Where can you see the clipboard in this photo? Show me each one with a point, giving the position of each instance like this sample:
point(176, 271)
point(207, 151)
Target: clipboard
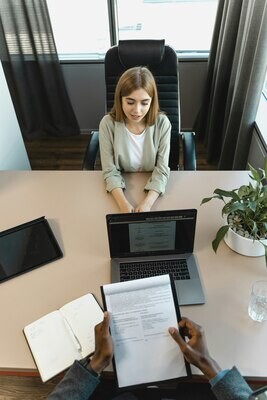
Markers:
point(137, 351)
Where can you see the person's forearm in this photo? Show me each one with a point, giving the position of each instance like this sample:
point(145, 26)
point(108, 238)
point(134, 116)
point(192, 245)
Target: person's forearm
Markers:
point(209, 367)
point(148, 202)
point(121, 200)
point(98, 364)
point(151, 197)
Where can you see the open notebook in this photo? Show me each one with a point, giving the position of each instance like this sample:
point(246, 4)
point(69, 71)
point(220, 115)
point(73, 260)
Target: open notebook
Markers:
point(59, 338)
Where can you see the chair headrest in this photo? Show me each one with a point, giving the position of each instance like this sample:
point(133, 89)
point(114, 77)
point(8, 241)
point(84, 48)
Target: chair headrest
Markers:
point(141, 52)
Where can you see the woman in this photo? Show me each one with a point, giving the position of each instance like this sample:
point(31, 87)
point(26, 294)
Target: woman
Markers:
point(135, 136)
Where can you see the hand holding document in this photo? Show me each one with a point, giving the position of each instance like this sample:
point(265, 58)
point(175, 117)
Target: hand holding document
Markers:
point(141, 311)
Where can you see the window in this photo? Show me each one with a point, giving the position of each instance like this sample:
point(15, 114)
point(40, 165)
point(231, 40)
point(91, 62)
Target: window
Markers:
point(264, 91)
point(186, 25)
point(80, 27)
point(261, 118)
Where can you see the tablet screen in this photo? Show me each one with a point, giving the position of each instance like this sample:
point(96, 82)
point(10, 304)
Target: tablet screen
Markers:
point(26, 247)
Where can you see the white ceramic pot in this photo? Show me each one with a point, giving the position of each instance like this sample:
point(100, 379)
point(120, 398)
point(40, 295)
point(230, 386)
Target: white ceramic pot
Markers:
point(244, 246)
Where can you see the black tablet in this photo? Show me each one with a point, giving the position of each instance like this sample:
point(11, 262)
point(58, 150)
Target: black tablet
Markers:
point(26, 247)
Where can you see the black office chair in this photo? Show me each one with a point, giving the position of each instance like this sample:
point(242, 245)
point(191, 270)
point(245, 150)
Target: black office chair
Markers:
point(162, 62)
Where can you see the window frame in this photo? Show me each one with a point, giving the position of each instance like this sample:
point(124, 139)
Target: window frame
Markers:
point(261, 117)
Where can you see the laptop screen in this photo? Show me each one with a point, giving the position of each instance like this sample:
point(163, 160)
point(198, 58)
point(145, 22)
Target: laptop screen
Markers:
point(151, 233)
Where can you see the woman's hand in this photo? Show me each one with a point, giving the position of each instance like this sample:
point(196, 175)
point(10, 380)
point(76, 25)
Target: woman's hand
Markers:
point(122, 202)
point(144, 206)
point(127, 208)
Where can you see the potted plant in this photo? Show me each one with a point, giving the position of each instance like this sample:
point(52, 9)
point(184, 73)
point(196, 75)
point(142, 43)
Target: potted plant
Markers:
point(245, 215)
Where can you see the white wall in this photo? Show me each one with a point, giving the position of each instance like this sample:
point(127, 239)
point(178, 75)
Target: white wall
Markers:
point(13, 155)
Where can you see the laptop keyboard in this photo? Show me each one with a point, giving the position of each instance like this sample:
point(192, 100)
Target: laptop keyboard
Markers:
point(131, 271)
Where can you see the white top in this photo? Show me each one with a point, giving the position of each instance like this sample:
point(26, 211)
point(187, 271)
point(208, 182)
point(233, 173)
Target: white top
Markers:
point(136, 146)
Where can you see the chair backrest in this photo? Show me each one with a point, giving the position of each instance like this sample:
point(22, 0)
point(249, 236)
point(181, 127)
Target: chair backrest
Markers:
point(162, 62)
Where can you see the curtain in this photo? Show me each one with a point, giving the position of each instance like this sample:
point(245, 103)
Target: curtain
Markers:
point(33, 72)
point(236, 72)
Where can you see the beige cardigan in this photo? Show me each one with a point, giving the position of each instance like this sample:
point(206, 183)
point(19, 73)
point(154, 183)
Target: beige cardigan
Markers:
point(115, 159)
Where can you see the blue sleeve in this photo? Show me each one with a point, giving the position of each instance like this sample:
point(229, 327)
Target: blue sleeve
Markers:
point(77, 384)
point(231, 386)
point(218, 377)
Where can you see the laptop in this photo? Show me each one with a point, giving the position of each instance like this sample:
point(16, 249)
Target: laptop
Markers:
point(154, 243)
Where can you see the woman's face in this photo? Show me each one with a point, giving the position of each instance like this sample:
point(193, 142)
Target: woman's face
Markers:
point(136, 105)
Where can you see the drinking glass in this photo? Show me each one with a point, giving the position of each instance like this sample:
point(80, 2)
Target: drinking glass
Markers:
point(257, 308)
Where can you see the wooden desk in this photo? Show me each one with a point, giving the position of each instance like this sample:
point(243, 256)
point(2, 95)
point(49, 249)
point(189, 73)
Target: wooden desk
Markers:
point(75, 204)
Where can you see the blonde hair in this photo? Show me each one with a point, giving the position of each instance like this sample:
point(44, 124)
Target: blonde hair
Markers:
point(131, 80)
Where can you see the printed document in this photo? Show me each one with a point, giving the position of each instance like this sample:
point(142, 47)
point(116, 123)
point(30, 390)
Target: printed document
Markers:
point(141, 311)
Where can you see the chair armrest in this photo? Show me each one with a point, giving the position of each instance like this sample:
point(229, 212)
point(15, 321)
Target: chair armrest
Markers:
point(91, 152)
point(189, 150)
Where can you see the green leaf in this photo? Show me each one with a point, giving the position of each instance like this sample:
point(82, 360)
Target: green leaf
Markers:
point(265, 247)
point(227, 193)
point(254, 229)
point(205, 200)
point(255, 175)
point(253, 205)
point(232, 207)
point(219, 236)
point(244, 191)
